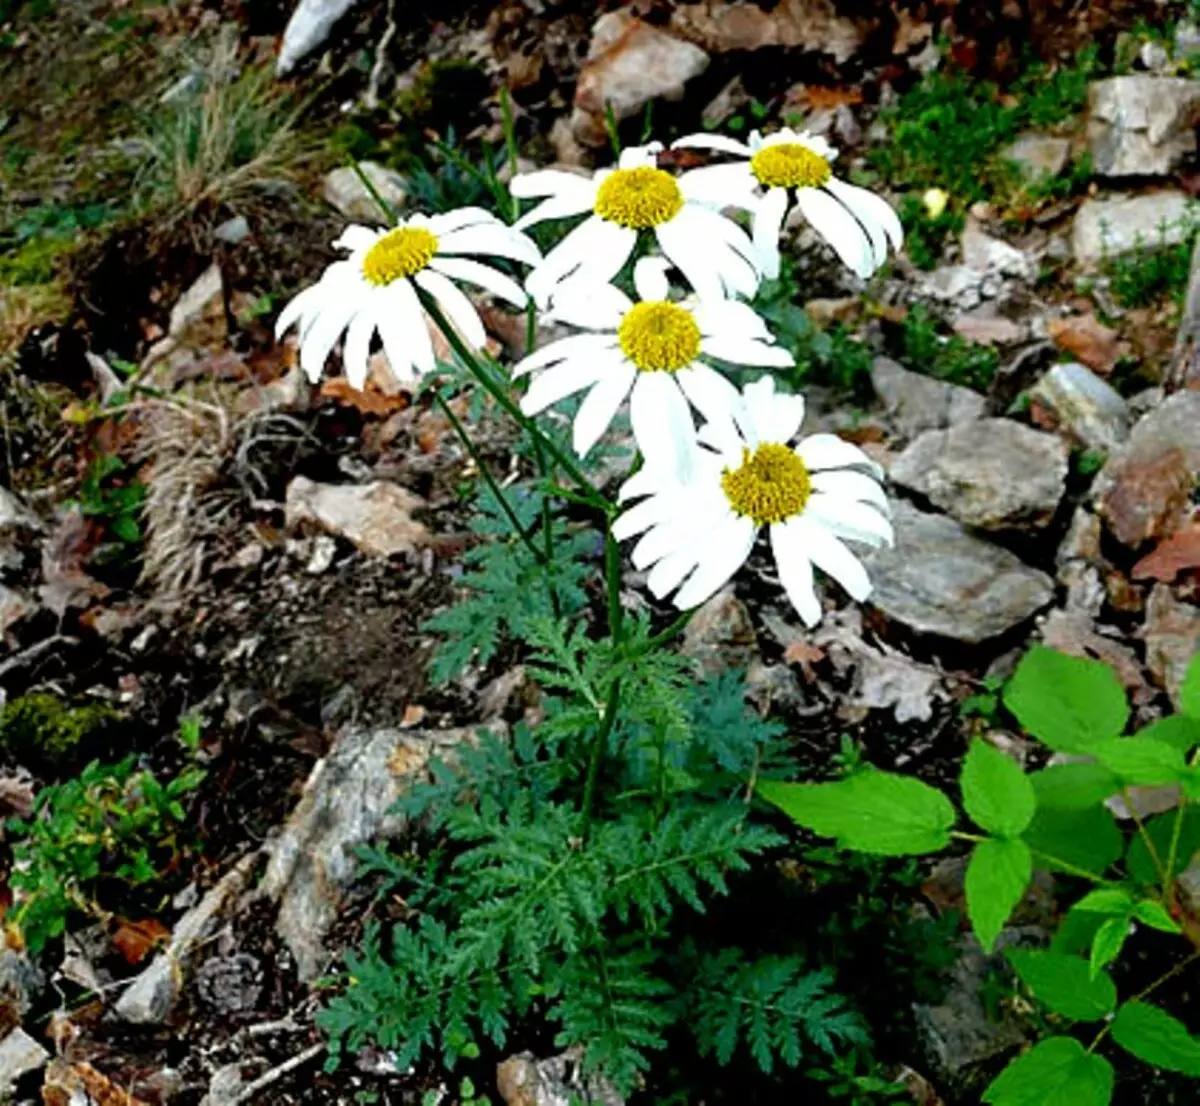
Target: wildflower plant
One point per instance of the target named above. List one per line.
(560, 865)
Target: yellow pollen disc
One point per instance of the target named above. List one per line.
(770, 485)
(790, 165)
(659, 337)
(399, 253)
(639, 198)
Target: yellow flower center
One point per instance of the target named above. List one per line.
(639, 198)
(399, 253)
(790, 165)
(770, 485)
(659, 337)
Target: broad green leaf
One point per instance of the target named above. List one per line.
(871, 812)
(1058, 1071)
(1191, 782)
(1159, 829)
(998, 875)
(1064, 984)
(1077, 931)
(996, 793)
(1140, 761)
(1067, 703)
(1073, 786)
(1156, 916)
(1107, 944)
(1179, 730)
(1157, 1038)
(1086, 839)
(1106, 900)
(1189, 692)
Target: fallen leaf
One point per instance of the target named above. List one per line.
(135, 940)
(819, 96)
(414, 715)
(804, 654)
(65, 1083)
(1176, 554)
(64, 554)
(366, 402)
(1087, 338)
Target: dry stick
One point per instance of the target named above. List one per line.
(276, 1073)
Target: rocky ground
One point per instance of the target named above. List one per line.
(188, 530)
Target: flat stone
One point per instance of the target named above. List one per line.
(1172, 636)
(198, 301)
(1142, 126)
(988, 329)
(987, 254)
(19, 1055)
(721, 634)
(1147, 484)
(721, 26)
(344, 191)
(233, 231)
(995, 474)
(376, 517)
(629, 64)
(1087, 408)
(309, 27)
(1089, 340)
(1039, 155)
(915, 402)
(524, 1080)
(1109, 228)
(14, 515)
(941, 579)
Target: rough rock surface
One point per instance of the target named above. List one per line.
(629, 63)
(376, 517)
(346, 803)
(720, 634)
(720, 26)
(1147, 484)
(523, 1080)
(941, 579)
(1039, 155)
(1086, 407)
(992, 473)
(1107, 228)
(308, 28)
(1142, 126)
(343, 190)
(915, 402)
(19, 1055)
(1172, 638)
(14, 606)
(991, 269)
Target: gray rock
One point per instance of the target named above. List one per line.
(1172, 637)
(230, 984)
(151, 997)
(1108, 228)
(376, 517)
(991, 269)
(1039, 155)
(347, 802)
(1142, 125)
(14, 606)
(19, 1055)
(523, 1080)
(197, 301)
(225, 1086)
(14, 515)
(307, 29)
(992, 473)
(915, 402)
(992, 256)
(343, 190)
(1089, 409)
(941, 579)
(720, 634)
(1187, 39)
(20, 980)
(233, 230)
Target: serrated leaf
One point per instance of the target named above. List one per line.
(1156, 1038)
(998, 875)
(1159, 830)
(1156, 916)
(871, 812)
(1107, 944)
(1189, 691)
(1106, 900)
(1179, 730)
(1141, 761)
(1073, 786)
(1064, 984)
(1087, 839)
(1067, 703)
(996, 793)
(1058, 1071)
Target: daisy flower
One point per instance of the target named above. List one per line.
(712, 252)
(375, 289)
(699, 524)
(648, 352)
(794, 164)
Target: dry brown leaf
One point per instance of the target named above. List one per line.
(804, 654)
(820, 96)
(368, 402)
(135, 940)
(414, 715)
(66, 1083)
(1087, 338)
(1178, 553)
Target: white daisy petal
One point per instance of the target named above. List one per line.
(450, 221)
(600, 407)
(589, 304)
(828, 451)
(397, 344)
(357, 351)
(482, 276)
(692, 258)
(552, 182)
(578, 345)
(730, 317)
(795, 571)
(295, 308)
(871, 210)
(721, 185)
(712, 142)
(494, 239)
(669, 573)
(561, 381)
(595, 247)
(838, 227)
(645, 481)
(692, 520)
(557, 207)
(709, 392)
(725, 551)
(323, 335)
(851, 485)
(746, 351)
(658, 510)
(662, 423)
(650, 279)
(639, 157)
(460, 311)
(412, 318)
(774, 416)
(832, 557)
(712, 225)
(767, 223)
(356, 237)
(850, 520)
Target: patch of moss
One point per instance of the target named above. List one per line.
(42, 731)
(34, 261)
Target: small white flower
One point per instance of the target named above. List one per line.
(649, 352)
(712, 252)
(700, 524)
(856, 223)
(373, 289)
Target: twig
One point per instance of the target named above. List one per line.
(277, 1073)
(34, 651)
(385, 40)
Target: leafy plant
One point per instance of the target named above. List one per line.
(42, 731)
(951, 358)
(1152, 272)
(925, 234)
(1054, 819)
(117, 504)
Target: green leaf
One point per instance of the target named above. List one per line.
(1106, 900)
(1073, 786)
(1058, 1071)
(1155, 1037)
(1178, 730)
(1087, 839)
(1140, 761)
(1189, 692)
(1107, 944)
(1160, 829)
(1156, 916)
(871, 812)
(996, 793)
(998, 874)
(127, 529)
(1064, 984)
(1067, 703)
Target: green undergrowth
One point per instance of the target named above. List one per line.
(950, 357)
(42, 731)
(1155, 271)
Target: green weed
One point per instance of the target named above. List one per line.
(950, 358)
(116, 503)
(924, 234)
(1153, 272)
(43, 732)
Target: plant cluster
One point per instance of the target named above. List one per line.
(1057, 819)
(947, 357)
(1154, 271)
(41, 730)
(114, 502)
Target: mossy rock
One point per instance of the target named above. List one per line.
(43, 732)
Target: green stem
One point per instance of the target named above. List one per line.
(1141, 828)
(1173, 851)
(541, 558)
(380, 202)
(1063, 865)
(665, 636)
(1169, 974)
(547, 526)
